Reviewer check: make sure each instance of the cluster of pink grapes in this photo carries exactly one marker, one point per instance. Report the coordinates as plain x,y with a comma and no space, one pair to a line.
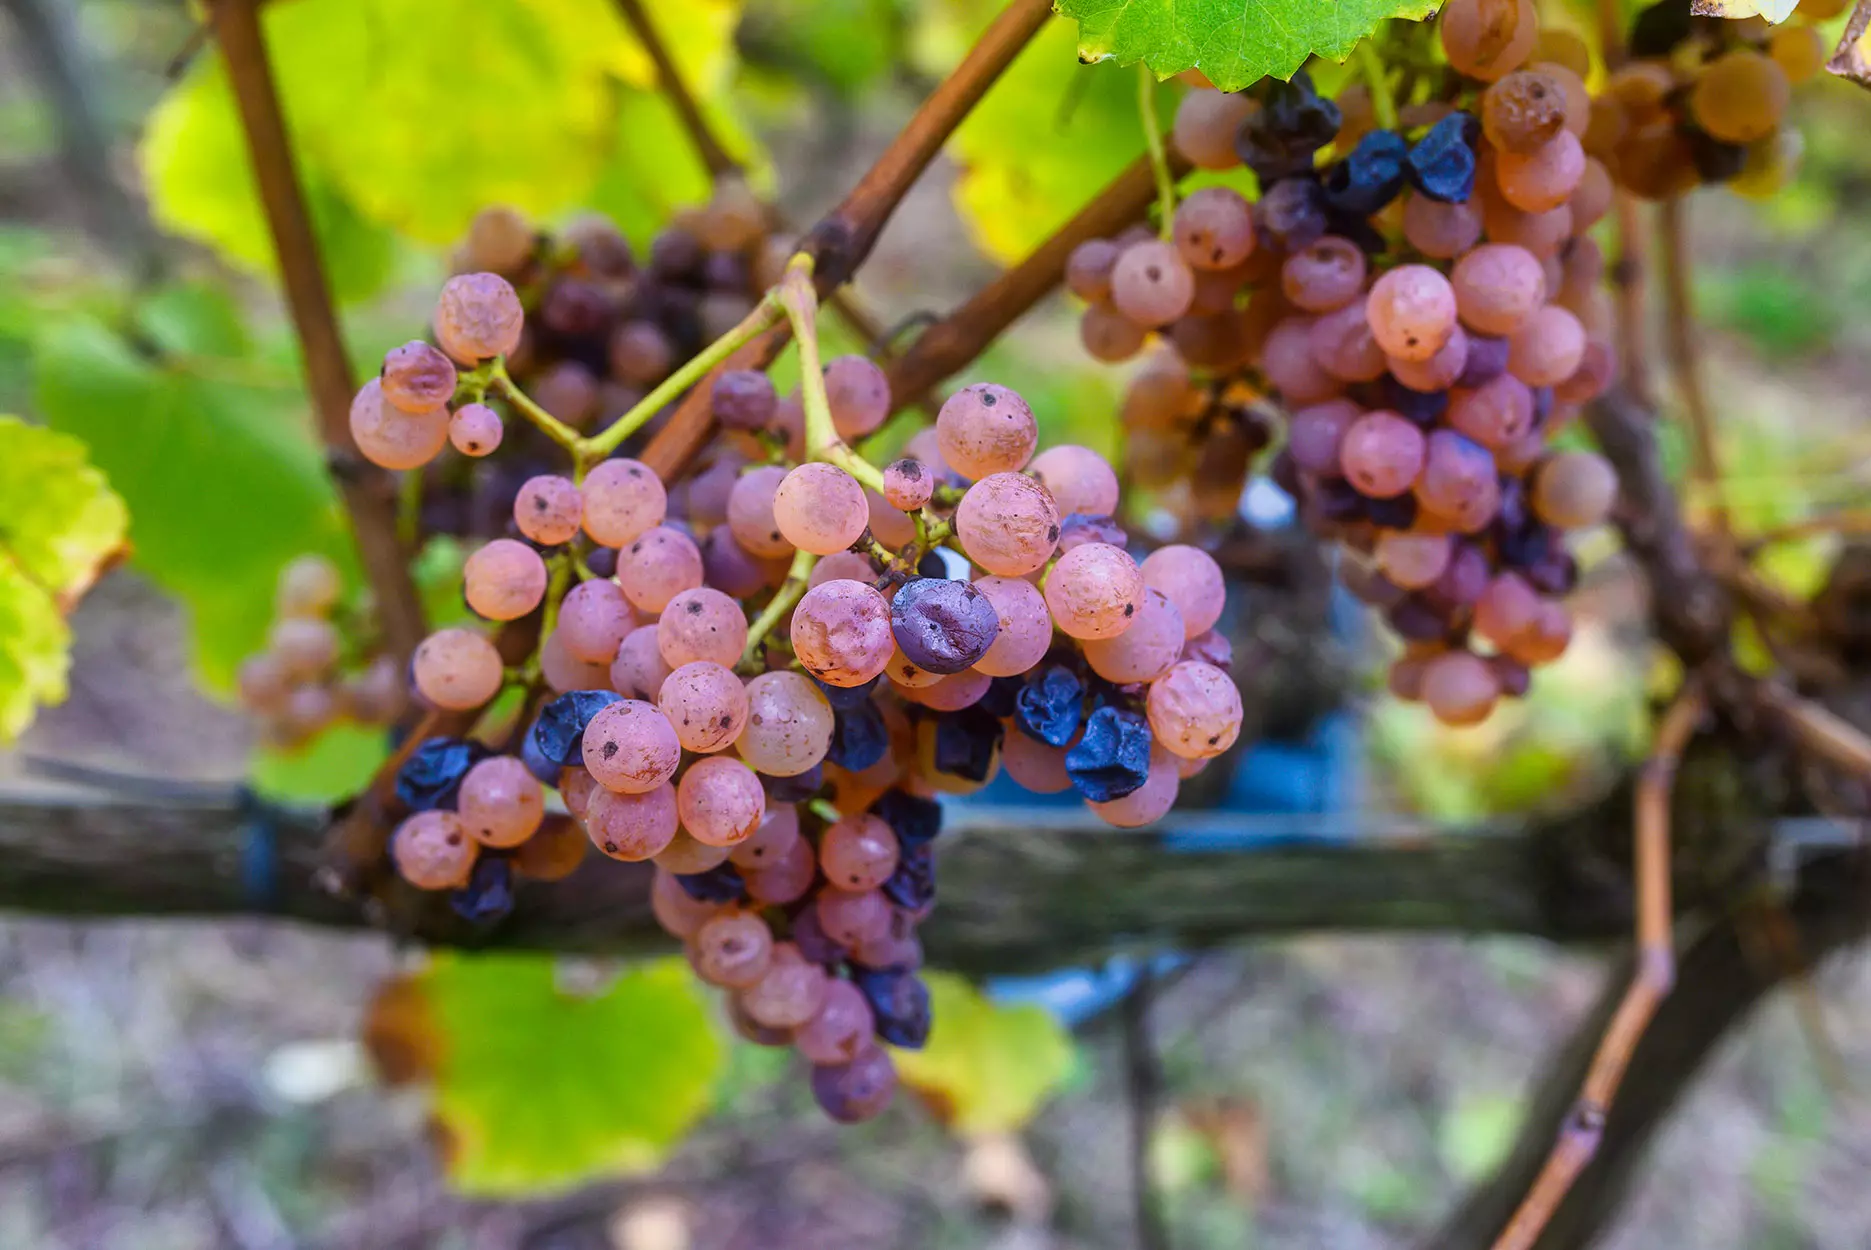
1426,305
303,681
758,677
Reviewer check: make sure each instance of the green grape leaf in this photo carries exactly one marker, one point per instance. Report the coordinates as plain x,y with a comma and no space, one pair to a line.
987,1066
61,524
1043,141
339,762
845,44
1234,42
214,458
537,1087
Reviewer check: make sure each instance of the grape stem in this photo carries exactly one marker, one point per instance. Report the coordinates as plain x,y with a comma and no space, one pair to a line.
501,381
1159,155
782,601
1383,103
555,591
823,809
801,302
669,81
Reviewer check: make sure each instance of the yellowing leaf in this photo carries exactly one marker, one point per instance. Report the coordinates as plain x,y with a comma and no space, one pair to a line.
1044,140
1234,42
1772,10
987,1067
537,1087
59,525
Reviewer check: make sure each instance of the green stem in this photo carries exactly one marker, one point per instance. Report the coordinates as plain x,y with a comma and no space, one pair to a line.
782,601
879,552
555,591
823,809
822,442
1371,65
764,316
1159,155
559,432
409,510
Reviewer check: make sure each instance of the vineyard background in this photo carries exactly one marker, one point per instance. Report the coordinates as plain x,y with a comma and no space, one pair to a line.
200,1083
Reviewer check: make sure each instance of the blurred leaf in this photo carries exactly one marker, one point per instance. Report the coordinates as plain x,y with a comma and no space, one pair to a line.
1772,10
437,570
222,479
846,44
1234,43
1778,311
537,1088
652,171
336,764
1477,1132
60,524
988,1066
1047,137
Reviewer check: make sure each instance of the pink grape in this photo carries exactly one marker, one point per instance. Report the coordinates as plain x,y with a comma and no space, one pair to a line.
564,672
1214,228
1314,434
890,526
1008,524
701,624
1459,481
1195,710
475,430
1151,284
706,704
1025,626
309,585
500,803
685,855
640,353
908,484
788,878
820,508
630,747
1460,688
675,909
1033,765
777,832
1191,580
594,620
953,692
639,670
859,1090
842,566
657,567
432,852
554,853
391,438
858,394
1206,124
1547,348
623,500
1544,178
1506,610
984,429
575,789
720,801
1148,803
1108,335
843,1028
478,315
457,669
733,949
858,852
304,646
417,378
1381,454
1146,650
1412,312
548,509
727,566
1094,591
1437,373
841,632
750,512
1088,270
1497,414
1411,560
1341,344
1574,489
1288,361
1326,274
1210,648
744,399
1438,230
1078,479
1497,287
789,994
789,725
851,916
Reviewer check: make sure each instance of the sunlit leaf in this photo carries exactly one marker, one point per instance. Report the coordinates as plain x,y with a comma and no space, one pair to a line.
988,1067
539,1087
336,764
1234,42
1771,10
59,525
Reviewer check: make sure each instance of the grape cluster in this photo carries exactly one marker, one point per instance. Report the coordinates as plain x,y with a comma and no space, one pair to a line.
1703,100
304,681
780,772
1425,303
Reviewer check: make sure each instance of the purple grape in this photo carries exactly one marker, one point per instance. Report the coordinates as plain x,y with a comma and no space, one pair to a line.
943,625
